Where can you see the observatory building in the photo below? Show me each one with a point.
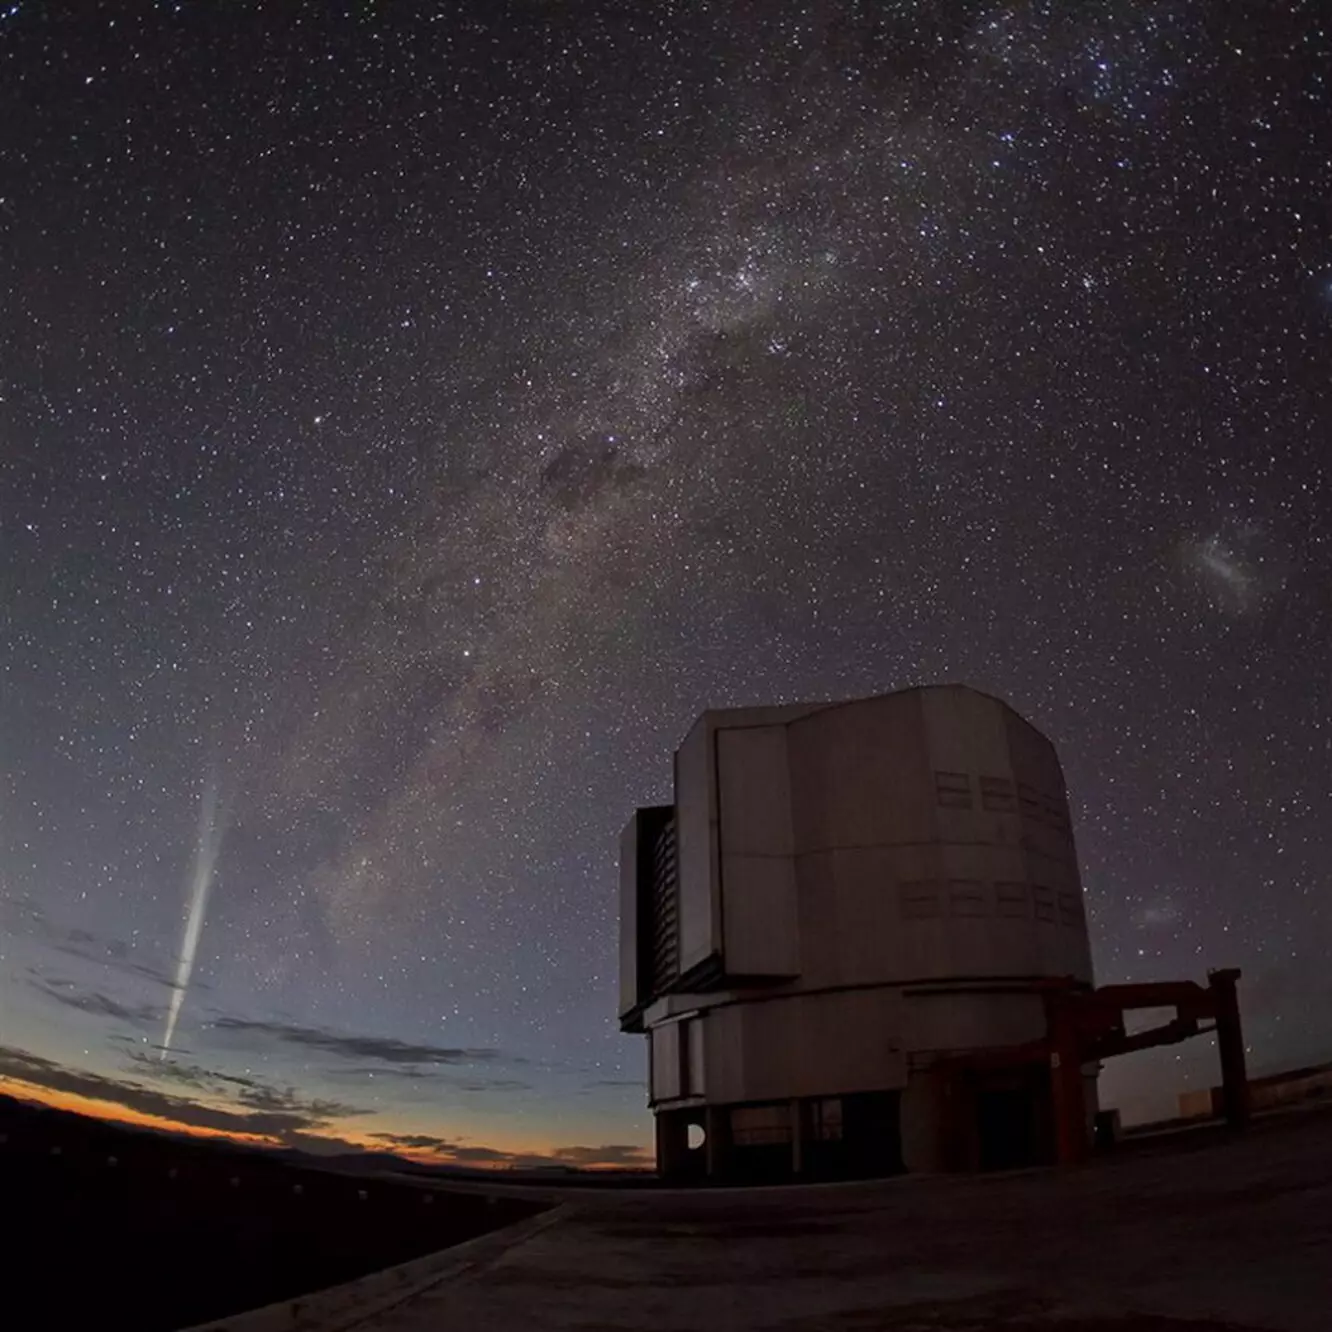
(847, 907)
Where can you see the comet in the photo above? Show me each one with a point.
(209, 843)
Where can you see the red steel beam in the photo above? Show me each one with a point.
(1152, 994)
(1084, 1026)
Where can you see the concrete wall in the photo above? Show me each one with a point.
(805, 1045)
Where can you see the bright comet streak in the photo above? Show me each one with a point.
(201, 879)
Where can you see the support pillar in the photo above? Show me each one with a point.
(717, 1140)
(1230, 1046)
(672, 1145)
(1066, 1086)
(799, 1136)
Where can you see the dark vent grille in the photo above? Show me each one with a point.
(664, 895)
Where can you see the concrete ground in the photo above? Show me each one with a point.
(1202, 1233)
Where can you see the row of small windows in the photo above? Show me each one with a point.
(772, 1125)
(925, 899)
(954, 791)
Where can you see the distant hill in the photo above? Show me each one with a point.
(231, 1226)
(52, 1125)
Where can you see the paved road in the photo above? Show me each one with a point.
(1201, 1235)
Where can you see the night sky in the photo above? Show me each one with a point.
(412, 416)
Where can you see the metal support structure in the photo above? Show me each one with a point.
(1066, 1086)
(1085, 1026)
(1230, 1046)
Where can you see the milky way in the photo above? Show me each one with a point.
(416, 418)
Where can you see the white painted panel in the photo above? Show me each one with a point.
(755, 792)
(629, 915)
(807, 1045)
(759, 932)
(858, 913)
(966, 732)
(858, 775)
(754, 838)
(695, 830)
(665, 1045)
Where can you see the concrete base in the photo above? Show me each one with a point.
(860, 1139)
(944, 1119)
(1212, 1234)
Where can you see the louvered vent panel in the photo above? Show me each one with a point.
(665, 910)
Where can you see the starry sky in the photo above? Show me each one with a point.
(412, 415)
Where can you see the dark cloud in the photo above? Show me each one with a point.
(280, 1123)
(442, 1076)
(415, 1141)
(322, 1144)
(453, 1153)
(405, 1072)
(492, 1085)
(492, 1156)
(21, 913)
(386, 1049)
(151, 1063)
(159, 976)
(22, 917)
(96, 1002)
(271, 1111)
(613, 1154)
(581, 472)
(246, 1090)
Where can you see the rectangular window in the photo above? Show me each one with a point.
(953, 789)
(1043, 902)
(967, 897)
(997, 794)
(1056, 815)
(825, 1119)
(1012, 900)
(1029, 800)
(760, 1125)
(919, 899)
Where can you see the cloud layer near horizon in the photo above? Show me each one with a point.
(248, 1107)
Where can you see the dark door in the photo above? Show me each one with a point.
(1006, 1128)
(871, 1134)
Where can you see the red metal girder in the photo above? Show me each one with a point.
(1153, 994)
(1169, 1034)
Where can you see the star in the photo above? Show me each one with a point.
(420, 444)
